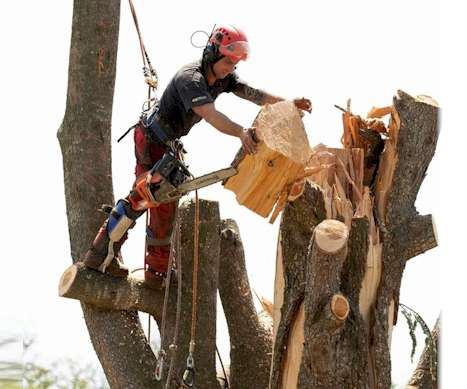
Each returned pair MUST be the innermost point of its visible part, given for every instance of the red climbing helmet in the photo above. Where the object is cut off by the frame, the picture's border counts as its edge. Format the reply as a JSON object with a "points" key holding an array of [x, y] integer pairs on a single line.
{"points": [[228, 41]]}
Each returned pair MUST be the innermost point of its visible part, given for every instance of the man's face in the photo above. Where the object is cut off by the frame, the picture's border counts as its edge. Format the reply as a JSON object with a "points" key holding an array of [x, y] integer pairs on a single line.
{"points": [[224, 67]]}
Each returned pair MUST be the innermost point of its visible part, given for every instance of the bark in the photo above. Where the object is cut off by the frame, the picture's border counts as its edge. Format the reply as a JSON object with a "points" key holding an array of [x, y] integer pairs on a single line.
{"points": [[84, 137], [205, 335], [322, 325], [297, 224], [314, 348], [424, 377], [250, 342], [422, 237], [415, 144], [110, 293]]}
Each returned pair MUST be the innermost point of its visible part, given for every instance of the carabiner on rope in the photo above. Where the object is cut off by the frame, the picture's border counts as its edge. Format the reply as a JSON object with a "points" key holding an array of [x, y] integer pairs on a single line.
{"points": [[189, 377], [189, 373], [159, 365]]}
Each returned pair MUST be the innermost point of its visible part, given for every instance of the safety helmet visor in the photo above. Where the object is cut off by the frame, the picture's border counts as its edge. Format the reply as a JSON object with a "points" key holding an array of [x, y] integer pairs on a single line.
{"points": [[238, 50]]}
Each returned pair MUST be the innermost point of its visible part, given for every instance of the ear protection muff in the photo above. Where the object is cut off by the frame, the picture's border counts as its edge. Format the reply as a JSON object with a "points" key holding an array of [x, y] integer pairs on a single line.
{"points": [[211, 51]]}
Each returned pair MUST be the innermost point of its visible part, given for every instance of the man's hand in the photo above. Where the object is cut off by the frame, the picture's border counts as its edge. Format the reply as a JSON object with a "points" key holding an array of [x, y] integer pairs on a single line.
{"points": [[303, 104], [248, 143]]}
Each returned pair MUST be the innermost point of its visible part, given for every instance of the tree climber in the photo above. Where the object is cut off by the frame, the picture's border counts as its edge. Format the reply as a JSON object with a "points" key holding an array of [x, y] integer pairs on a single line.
{"points": [[188, 98]]}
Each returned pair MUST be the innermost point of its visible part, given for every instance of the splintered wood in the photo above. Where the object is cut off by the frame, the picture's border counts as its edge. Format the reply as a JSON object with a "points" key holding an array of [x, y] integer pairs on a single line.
{"points": [[347, 181], [276, 172], [347, 184]]}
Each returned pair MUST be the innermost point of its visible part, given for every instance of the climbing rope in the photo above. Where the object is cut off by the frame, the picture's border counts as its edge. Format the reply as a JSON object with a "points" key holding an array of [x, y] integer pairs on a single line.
{"points": [[189, 374], [226, 379], [162, 353], [173, 346], [150, 74], [150, 77]]}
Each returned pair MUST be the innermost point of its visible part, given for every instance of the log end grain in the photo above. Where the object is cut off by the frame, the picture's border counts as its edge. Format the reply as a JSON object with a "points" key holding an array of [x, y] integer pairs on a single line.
{"points": [[340, 307], [331, 235], [66, 280]]}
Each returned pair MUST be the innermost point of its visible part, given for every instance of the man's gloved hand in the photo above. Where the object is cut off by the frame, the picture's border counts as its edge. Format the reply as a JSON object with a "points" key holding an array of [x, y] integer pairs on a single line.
{"points": [[303, 104], [248, 140]]}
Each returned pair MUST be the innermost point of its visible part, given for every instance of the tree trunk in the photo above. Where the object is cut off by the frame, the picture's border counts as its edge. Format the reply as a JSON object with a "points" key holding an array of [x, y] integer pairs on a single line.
{"points": [[84, 136], [318, 280], [250, 342], [205, 328]]}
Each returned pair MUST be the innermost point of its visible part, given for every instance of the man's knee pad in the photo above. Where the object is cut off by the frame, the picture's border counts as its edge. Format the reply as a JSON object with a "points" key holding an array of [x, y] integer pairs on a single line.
{"points": [[121, 219]]}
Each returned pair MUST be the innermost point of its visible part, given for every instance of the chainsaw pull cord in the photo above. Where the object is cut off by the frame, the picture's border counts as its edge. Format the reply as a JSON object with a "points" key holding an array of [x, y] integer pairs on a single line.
{"points": [[161, 354], [189, 374]]}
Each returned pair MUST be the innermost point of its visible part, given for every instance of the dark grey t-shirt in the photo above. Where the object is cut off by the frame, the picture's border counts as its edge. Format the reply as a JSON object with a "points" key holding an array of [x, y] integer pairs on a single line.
{"points": [[187, 89]]}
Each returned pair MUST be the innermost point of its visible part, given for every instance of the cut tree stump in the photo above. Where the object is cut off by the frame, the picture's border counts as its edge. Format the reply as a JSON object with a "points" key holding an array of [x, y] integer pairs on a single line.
{"points": [[266, 179], [343, 246]]}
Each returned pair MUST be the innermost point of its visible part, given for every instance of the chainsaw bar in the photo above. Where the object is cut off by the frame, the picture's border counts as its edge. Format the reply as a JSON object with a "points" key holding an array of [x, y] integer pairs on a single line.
{"points": [[203, 181]]}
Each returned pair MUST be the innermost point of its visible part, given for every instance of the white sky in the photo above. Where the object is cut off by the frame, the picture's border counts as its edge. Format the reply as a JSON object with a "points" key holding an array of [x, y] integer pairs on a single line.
{"points": [[327, 51]]}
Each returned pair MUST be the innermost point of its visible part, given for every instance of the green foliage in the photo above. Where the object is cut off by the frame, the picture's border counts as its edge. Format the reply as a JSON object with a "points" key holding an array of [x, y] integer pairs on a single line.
{"points": [[413, 318], [64, 374], [10, 372]]}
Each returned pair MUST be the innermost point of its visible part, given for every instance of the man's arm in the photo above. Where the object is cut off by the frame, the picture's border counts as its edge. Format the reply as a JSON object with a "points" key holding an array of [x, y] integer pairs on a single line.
{"points": [[223, 124], [254, 95], [261, 97]]}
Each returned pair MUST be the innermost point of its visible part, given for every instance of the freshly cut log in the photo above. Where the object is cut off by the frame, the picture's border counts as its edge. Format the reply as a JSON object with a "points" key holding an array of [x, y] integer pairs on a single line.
{"points": [[282, 155], [107, 292]]}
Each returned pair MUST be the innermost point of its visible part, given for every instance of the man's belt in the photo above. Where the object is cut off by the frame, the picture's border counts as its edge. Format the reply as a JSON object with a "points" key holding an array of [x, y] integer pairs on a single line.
{"points": [[160, 131]]}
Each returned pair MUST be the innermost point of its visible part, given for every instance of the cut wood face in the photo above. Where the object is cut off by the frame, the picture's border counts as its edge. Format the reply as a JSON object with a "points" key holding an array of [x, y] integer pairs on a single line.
{"points": [[331, 236], [282, 154]]}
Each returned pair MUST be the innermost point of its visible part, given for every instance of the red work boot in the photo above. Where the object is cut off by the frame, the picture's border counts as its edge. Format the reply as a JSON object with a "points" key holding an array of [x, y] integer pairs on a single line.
{"points": [[156, 263]]}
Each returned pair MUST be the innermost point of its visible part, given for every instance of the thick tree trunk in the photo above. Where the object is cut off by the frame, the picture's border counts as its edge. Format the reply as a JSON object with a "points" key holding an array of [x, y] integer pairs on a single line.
{"points": [[250, 342], [298, 221], [205, 328], [84, 136], [414, 142], [314, 348], [425, 375]]}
